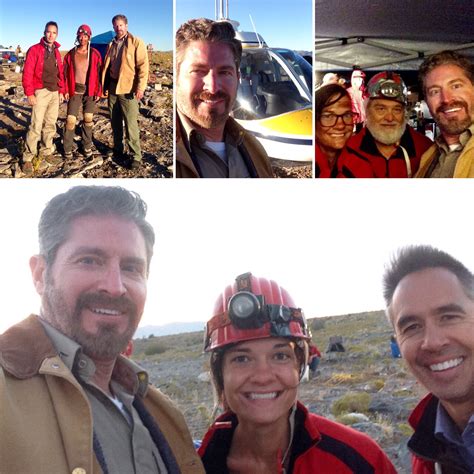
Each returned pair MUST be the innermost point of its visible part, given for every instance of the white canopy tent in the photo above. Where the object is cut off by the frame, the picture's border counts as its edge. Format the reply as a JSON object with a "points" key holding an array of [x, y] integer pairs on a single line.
{"points": [[394, 34]]}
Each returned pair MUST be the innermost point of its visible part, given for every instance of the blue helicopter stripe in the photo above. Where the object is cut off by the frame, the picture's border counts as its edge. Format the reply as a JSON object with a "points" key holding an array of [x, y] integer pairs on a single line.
{"points": [[291, 141]]}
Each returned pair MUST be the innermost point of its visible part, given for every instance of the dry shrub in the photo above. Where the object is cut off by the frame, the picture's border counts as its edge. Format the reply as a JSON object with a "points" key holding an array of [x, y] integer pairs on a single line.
{"points": [[351, 402]]}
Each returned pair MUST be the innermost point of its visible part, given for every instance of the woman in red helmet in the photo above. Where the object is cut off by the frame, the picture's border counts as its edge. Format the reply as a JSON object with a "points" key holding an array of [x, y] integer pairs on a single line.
{"points": [[259, 348]]}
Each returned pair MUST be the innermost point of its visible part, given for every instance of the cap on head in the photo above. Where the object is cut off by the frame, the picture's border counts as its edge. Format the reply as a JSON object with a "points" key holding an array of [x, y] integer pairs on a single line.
{"points": [[387, 85], [358, 73], [86, 29], [253, 308]]}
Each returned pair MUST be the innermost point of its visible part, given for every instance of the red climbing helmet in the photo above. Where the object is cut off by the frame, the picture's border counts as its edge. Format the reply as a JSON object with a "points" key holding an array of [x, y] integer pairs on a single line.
{"points": [[254, 308], [387, 85], [86, 29]]}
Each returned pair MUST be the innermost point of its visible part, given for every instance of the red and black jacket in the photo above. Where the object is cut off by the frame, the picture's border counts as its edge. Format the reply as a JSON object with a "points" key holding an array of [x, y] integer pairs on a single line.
{"points": [[427, 450], [319, 445], [33, 70], [93, 84], [362, 159], [322, 168]]}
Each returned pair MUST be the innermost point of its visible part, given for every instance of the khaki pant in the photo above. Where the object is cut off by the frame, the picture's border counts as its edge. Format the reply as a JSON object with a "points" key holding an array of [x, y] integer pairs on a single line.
{"points": [[43, 124]]}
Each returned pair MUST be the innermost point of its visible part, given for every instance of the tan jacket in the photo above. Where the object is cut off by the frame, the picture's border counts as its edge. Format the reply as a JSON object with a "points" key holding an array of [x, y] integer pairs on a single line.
{"points": [[256, 153], [133, 74], [464, 165], [45, 416]]}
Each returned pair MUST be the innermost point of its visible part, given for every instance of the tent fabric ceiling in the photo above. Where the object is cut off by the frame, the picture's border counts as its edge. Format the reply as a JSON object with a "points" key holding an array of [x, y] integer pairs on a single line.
{"points": [[396, 30]]}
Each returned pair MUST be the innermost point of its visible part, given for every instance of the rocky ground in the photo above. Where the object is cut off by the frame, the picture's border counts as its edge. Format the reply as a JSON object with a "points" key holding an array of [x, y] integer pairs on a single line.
{"points": [[155, 122], [388, 391], [156, 133]]}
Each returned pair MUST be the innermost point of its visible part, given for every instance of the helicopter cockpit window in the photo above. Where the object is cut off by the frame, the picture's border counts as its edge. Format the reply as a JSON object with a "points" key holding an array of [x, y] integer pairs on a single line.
{"points": [[269, 86]]}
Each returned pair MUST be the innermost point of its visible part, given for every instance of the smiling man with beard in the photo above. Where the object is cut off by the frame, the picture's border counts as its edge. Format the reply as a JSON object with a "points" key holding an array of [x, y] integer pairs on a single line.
{"points": [[210, 143], [447, 79], [69, 401], [386, 147]]}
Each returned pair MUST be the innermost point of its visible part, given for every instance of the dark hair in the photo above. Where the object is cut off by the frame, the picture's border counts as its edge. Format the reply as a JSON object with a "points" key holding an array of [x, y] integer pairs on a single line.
{"points": [[203, 29], [80, 201], [324, 94], [415, 258], [51, 23], [442, 58], [120, 17]]}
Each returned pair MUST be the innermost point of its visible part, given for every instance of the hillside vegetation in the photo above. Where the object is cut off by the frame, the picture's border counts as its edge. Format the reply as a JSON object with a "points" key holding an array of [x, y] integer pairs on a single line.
{"points": [[363, 387]]}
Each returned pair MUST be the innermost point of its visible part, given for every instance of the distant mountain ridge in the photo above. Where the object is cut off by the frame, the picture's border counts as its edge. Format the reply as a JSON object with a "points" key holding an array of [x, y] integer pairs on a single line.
{"points": [[168, 329]]}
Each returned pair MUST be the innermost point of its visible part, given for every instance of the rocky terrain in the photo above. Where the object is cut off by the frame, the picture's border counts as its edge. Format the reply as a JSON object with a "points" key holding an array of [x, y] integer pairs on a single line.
{"points": [[155, 122], [156, 133], [363, 387]]}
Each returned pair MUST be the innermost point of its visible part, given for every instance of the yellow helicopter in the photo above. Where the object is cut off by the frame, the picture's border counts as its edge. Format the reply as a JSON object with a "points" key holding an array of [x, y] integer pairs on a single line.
{"points": [[274, 99]]}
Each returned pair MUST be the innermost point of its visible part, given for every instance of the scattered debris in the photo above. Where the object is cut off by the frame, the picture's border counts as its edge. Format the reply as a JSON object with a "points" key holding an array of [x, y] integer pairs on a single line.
{"points": [[155, 122]]}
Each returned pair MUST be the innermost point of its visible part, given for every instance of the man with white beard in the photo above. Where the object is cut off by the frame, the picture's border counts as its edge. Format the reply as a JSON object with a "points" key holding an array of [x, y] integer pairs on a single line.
{"points": [[447, 79], [386, 147]]}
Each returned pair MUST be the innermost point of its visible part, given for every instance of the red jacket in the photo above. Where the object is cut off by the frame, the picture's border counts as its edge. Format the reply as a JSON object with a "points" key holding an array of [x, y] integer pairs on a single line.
{"points": [[323, 169], [427, 450], [93, 82], [319, 445], [33, 69], [362, 159]]}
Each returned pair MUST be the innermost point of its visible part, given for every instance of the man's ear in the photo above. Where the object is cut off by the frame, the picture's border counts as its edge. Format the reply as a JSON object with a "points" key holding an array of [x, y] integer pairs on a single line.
{"points": [[38, 272]]}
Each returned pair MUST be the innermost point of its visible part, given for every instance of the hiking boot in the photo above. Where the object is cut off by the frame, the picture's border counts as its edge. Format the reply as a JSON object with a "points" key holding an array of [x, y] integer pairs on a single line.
{"points": [[27, 168], [68, 155], [135, 164], [87, 152], [114, 154], [45, 153]]}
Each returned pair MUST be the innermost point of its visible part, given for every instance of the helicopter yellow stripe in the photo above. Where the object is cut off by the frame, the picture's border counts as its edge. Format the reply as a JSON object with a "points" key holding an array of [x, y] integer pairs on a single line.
{"points": [[299, 122]]}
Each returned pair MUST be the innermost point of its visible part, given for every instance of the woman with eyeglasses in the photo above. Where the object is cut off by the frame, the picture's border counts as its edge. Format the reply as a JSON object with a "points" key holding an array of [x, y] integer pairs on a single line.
{"points": [[334, 125], [258, 342]]}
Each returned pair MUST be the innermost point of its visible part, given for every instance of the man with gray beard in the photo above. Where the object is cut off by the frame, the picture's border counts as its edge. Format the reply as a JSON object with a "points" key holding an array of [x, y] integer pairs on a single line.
{"points": [[386, 147], [447, 80], [70, 402], [210, 143]]}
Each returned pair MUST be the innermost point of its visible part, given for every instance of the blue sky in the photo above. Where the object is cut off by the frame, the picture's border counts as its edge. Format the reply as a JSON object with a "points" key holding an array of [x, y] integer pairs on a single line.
{"points": [[282, 23], [22, 21]]}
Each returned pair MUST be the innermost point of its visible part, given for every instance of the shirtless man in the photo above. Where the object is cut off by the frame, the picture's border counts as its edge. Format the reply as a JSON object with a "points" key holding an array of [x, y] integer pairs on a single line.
{"points": [[82, 88]]}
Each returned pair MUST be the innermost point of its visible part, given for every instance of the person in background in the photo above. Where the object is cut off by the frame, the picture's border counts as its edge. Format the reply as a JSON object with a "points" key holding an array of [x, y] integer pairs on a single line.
{"points": [[330, 78], [386, 147], [358, 93], [82, 67], [447, 80], [314, 358], [44, 87], [429, 298], [334, 124], [258, 340]]}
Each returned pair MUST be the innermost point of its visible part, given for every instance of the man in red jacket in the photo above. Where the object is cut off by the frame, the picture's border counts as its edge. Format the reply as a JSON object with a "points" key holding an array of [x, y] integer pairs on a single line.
{"points": [[386, 147], [43, 85], [82, 82], [430, 302]]}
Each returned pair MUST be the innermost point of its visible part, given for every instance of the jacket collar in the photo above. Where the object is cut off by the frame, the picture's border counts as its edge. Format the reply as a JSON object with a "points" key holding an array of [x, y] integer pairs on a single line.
{"points": [[55, 44], [424, 444], [24, 347]]}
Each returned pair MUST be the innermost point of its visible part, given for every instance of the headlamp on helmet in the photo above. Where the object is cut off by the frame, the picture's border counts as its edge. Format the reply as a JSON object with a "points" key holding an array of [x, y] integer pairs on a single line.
{"points": [[84, 30], [254, 308], [387, 85], [245, 310]]}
